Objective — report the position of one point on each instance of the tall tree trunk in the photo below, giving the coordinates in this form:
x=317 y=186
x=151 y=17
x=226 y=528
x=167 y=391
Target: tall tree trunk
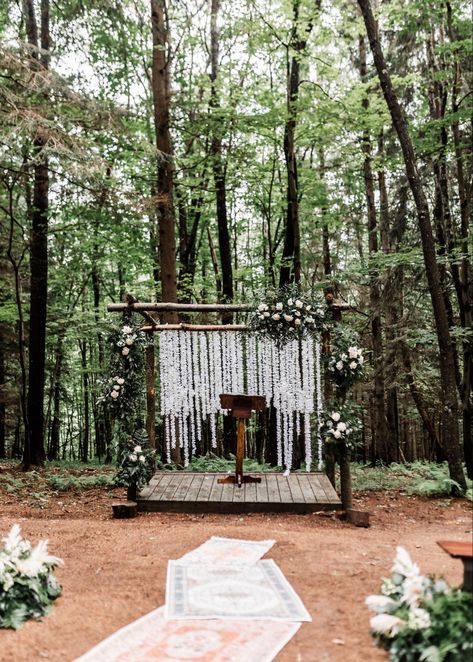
x=446 y=351
x=54 y=440
x=85 y=386
x=219 y=167
x=381 y=438
x=34 y=437
x=165 y=166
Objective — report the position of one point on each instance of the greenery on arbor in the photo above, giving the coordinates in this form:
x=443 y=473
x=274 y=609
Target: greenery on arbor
x=206 y=151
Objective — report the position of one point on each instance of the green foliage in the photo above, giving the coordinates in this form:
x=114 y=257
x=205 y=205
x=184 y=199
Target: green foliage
x=64 y=483
x=213 y=464
x=417 y=479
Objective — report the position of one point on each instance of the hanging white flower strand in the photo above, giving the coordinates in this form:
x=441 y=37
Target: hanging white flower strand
x=195 y=368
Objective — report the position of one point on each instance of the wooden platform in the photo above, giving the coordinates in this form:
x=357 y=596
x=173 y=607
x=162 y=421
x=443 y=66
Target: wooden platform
x=192 y=492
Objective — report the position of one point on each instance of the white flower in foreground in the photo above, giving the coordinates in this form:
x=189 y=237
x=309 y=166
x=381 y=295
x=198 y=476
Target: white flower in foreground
x=125 y=351
x=297 y=322
x=262 y=307
x=142 y=458
x=379 y=603
x=13 y=539
x=129 y=341
x=335 y=416
x=290 y=302
x=341 y=426
x=386 y=624
x=137 y=449
x=339 y=365
x=337 y=434
x=126 y=330
x=116 y=387
x=419 y=619
x=266 y=314
x=413 y=590
x=279 y=306
x=276 y=317
x=120 y=380
x=37 y=561
x=299 y=303
x=353 y=365
x=114 y=394
x=353 y=352
x=310 y=320
x=288 y=318
x=133 y=457
x=403 y=564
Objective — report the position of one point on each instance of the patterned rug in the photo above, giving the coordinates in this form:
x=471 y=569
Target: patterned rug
x=154 y=639
x=234 y=591
x=228 y=550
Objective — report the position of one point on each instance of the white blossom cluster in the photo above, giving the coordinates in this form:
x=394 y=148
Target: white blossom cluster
x=338 y=426
x=294 y=312
x=137 y=455
x=195 y=368
x=346 y=364
x=127 y=340
x=23 y=564
x=116 y=387
x=407 y=588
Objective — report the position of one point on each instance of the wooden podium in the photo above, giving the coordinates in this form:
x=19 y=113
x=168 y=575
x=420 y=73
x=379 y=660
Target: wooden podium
x=241 y=407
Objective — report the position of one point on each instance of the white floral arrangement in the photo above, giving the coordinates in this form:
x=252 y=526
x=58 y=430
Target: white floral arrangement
x=340 y=423
x=286 y=314
x=27 y=585
x=127 y=340
x=421 y=618
x=136 y=465
x=346 y=359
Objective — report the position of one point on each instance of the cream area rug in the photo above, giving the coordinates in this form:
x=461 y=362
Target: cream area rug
x=234 y=591
x=228 y=550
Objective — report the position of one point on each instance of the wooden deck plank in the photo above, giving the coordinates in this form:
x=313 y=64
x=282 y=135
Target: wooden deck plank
x=293 y=483
x=167 y=494
x=161 y=486
x=239 y=493
x=227 y=493
x=304 y=485
x=194 y=489
x=150 y=487
x=284 y=489
x=273 y=489
x=216 y=491
x=262 y=490
x=250 y=493
x=327 y=487
x=181 y=492
x=206 y=487
x=319 y=493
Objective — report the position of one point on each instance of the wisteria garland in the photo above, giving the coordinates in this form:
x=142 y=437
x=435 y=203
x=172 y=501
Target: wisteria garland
x=195 y=368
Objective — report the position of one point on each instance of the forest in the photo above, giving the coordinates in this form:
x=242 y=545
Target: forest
x=202 y=151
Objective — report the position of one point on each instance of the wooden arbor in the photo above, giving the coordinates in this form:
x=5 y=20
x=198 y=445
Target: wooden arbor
x=153 y=324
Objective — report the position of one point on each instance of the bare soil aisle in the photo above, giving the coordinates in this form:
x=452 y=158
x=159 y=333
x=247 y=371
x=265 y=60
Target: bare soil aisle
x=115 y=570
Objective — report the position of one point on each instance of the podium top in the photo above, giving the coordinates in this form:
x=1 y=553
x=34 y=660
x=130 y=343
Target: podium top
x=242 y=405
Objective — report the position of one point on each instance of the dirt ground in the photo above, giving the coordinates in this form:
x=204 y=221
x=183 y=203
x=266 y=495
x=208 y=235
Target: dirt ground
x=115 y=570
